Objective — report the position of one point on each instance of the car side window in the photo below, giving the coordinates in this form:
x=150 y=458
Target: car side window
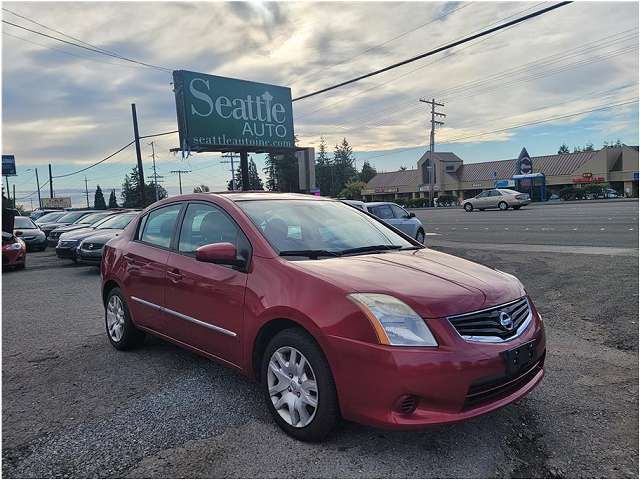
x=204 y=224
x=495 y=193
x=158 y=227
x=398 y=212
x=483 y=194
x=382 y=211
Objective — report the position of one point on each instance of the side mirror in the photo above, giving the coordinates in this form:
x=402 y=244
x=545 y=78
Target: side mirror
x=412 y=215
x=18 y=233
x=223 y=253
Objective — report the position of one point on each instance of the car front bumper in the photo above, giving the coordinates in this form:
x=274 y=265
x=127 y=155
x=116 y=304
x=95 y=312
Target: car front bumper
x=66 y=251
x=89 y=257
x=34 y=242
x=447 y=384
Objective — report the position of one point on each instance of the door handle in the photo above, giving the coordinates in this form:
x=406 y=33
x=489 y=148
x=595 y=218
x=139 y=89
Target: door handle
x=175 y=275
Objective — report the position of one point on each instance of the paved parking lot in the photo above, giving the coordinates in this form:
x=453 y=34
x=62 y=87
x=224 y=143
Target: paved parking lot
x=73 y=406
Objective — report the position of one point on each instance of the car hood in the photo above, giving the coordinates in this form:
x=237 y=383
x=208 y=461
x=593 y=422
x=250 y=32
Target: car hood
x=53 y=225
x=70 y=228
x=76 y=234
x=434 y=284
x=28 y=232
x=104 y=236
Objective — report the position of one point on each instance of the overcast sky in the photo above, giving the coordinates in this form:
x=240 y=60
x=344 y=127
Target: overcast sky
x=70 y=107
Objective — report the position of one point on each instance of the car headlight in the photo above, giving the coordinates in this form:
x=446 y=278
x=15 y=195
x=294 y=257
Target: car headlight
x=394 y=322
x=15 y=246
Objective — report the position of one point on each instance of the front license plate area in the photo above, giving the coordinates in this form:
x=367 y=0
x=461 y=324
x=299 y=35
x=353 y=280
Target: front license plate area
x=519 y=359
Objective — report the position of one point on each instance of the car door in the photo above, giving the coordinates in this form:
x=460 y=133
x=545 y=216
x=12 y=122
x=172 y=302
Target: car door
x=205 y=301
x=146 y=265
x=494 y=198
x=384 y=213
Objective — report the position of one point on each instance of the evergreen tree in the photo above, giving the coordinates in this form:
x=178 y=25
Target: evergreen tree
x=113 y=203
x=255 y=182
x=563 y=149
x=403 y=168
x=98 y=200
x=282 y=172
x=353 y=190
x=588 y=147
x=324 y=166
x=367 y=172
x=131 y=193
x=343 y=167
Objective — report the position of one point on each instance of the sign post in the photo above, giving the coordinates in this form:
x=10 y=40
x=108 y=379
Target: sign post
x=219 y=114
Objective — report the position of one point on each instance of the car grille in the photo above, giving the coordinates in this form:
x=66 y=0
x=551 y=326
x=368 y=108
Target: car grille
x=487 y=391
x=92 y=246
x=67 y=243
x=54 y=234
x=494 y=324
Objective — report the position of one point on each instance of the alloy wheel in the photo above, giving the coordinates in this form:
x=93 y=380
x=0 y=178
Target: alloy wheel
x=115 y=318
x=292 y=386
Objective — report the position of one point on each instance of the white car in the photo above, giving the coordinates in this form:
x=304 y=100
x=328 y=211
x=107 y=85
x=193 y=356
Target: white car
x=501 y=198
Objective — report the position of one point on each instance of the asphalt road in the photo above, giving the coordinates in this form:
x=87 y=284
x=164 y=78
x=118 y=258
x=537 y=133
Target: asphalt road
x=605 y=224
x=73 y=406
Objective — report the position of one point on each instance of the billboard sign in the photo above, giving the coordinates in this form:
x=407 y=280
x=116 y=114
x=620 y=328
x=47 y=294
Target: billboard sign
x=8 y=165
x=225 y=114
x=56 y=202
x=525 y=165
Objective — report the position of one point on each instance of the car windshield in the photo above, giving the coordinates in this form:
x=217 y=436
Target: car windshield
x=117 y=221
x=71 y=217
x=314 y=228
x=50 y=217
x=93 y=218
x=23 y=222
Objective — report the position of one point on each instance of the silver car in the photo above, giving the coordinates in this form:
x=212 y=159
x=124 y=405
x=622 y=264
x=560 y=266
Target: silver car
x=394 y=215
x=501 y=198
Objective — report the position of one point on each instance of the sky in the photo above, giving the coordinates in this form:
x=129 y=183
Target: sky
x=71 y=107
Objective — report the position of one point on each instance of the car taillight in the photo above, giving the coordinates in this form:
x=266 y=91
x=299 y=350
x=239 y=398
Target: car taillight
x=522 y=197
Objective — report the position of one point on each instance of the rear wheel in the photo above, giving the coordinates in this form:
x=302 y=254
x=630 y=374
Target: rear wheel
x=298 y=386
x=122 y=334
x=468 y=207
x=420 y=236
x=503 y=206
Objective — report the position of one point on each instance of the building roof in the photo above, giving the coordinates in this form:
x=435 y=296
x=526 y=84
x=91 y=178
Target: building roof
x=550 y=165
x=400 y=178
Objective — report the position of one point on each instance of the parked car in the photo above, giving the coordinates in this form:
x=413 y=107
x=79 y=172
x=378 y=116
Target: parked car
x=67 y=219
x=394 y=215
x=25 y=229
x=14 y=252
x=501 y=198
x=36 y=214
x=69 y=242
x=332 y=311
x=50 y=217
x=85 y=222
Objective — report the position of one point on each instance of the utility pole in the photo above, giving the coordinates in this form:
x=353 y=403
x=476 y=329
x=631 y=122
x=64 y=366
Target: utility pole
x=136 y=137
x=6 y=178
x=230 y=159
x=38 y=185
x=244 y=170
x=50 y=183
x=14 y=195
x=155 y=175
x=432 y=142
x=86 y=190
x=180 y=172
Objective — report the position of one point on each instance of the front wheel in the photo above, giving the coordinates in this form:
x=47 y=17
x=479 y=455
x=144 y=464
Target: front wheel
x=468 y=207
x=121 y=331
x=420 y=236
x=298 y=386
x=503 y=206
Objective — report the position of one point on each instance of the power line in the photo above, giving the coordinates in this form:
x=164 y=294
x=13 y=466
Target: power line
x=436 y=50
x=97 y=163
x=91 y=49
x=513 y=127
x=158 y=134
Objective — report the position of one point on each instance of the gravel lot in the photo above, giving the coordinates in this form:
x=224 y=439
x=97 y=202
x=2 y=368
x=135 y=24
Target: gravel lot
x=75 y=407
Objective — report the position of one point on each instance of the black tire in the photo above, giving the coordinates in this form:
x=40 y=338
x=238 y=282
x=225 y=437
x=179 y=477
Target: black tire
x=420 y=234
x=21 y=266
x=131 y=336
x=468 y=207
x=516 y=207
x=327 y=414
x=503 y=206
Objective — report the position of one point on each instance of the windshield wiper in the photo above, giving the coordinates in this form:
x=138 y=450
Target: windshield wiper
x=313 y=254
x=370 y=248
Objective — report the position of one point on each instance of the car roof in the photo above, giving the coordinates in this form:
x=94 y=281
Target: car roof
x=252 y=195
x=375 y=204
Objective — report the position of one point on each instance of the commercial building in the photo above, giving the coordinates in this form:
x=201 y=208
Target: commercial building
x=540 y=176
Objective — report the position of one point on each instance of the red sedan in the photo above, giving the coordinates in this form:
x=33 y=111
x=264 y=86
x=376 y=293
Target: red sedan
x=335 y=313
x=14 y=251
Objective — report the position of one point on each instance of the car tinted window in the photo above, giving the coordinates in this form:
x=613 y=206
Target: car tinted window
x=495 y=193
x=382 y=211
x=205 y=224
x=50 y=217
x=483 y=194
x=71 y=217
x=23 y=223
x=160 y=225
x=398 y=212
x=117 y=221
x=93 y=218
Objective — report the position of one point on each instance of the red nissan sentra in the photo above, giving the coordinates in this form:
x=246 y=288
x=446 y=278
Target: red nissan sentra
x=337 y=314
